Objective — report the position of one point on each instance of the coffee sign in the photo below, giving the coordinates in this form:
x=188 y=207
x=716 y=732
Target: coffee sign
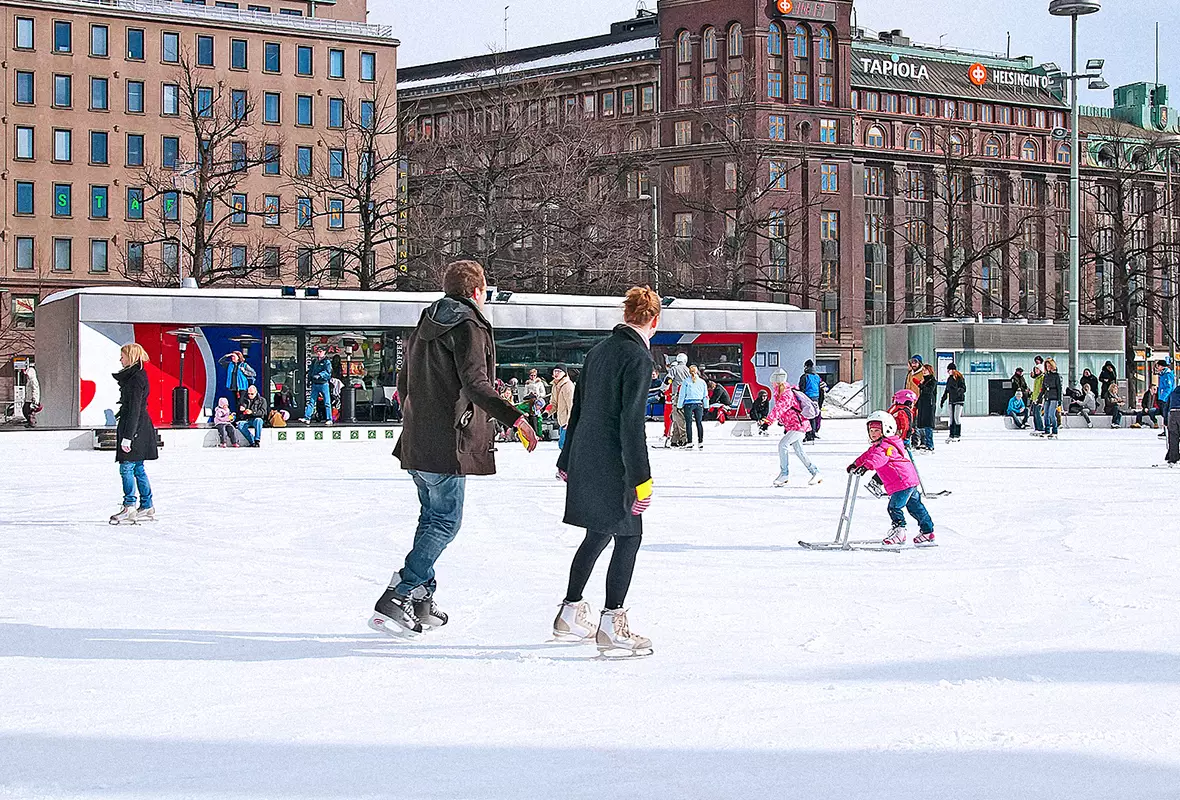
x=816 y=10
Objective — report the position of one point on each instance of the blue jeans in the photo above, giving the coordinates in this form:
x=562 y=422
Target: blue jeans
x=134 y=476
x=694 y=412
x=561 y=438
x=792 y=440
x=910 y=500
x=247 y=426
x=1038 y=422
x=927 y=437
x=1020 y=419
x=441 y=499
x=317 y=391
x=1050 y=422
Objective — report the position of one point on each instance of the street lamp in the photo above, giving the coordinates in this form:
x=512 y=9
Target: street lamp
x=180 y=393
x=1074 y=9
x=655 y=236
x=1169 y=143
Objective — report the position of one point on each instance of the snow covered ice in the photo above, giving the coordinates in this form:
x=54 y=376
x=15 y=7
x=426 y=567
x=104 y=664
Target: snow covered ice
x=222 y=652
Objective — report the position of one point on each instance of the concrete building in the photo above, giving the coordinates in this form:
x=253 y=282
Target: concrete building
x=851 y=142
x=94 y=111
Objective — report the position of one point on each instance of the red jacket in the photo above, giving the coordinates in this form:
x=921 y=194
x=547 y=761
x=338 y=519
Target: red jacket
x=904 y=417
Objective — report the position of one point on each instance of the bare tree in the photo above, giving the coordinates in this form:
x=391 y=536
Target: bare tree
x=195 y=218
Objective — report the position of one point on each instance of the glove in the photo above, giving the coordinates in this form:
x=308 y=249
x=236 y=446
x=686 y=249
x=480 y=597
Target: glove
x=526 y=434
x=125 y=445
x=853 y=469
x=642 y=498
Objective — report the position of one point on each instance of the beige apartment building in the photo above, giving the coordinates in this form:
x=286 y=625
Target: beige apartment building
x=94 y=118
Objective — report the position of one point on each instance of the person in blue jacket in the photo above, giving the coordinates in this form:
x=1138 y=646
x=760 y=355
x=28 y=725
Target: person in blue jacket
x=694 y=392
x=318 y=376
x=1166 y=387
x=812 y=385
x=1018 y=411
x=238 y=376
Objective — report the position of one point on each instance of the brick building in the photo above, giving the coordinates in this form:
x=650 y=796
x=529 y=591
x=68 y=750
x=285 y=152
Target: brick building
x=793 y=157
x=94 y=117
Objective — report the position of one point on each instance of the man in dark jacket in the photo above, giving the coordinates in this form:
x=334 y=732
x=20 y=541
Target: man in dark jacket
x=251 y=414
x=319 y=375
x=608 y=478
x=813 y=386
x=1020 y=383
x=448 y=402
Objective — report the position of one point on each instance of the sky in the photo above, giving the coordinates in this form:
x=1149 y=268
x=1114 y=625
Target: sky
x=1123 y=33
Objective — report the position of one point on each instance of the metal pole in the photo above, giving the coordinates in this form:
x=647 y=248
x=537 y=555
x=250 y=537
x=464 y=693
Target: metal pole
x=655 y=240
x=1075 y=158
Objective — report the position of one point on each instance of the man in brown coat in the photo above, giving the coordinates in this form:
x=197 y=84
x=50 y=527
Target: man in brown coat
x=563 y=402
x=448 y=403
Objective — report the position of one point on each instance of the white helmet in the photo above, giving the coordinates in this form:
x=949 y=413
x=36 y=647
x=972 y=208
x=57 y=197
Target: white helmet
x=682 y=358
x=885 y=420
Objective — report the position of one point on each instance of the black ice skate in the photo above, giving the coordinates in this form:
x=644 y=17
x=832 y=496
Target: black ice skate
x=394 y=614
x=428 y=612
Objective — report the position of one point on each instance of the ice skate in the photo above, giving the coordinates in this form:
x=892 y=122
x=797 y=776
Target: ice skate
x=126 y=515
x=573 y=623
x=145 y=514
x=615 y=639
x=816 y=480
x=924 y=540
x=781 y=481
x=394 y=614
x=428 y=613
x=896 y=537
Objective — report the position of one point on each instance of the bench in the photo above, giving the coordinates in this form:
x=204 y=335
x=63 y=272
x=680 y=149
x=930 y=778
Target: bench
x=1076 y=421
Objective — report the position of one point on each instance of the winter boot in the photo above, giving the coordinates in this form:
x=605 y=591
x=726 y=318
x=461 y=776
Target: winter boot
x=924 y=540
x=126 y=515
x=896 y=537
x=394 y=613
x=427 y=611
x=615 y=639
x=573 y=623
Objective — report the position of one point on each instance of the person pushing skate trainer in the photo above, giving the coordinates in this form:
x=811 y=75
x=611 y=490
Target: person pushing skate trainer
x=448 y=404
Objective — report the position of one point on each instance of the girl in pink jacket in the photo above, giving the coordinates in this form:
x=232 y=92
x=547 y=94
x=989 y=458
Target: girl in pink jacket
x=788 y=413
x=887 y=457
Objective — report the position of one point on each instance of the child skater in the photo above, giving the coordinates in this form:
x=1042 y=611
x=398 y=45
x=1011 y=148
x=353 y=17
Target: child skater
x=902 y=412
x=887 y=456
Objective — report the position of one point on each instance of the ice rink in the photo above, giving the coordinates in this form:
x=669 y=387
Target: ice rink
x=222 y=652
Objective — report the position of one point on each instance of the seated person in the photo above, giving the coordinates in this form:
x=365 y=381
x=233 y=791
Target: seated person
x=719 y=400
x=1147 y=408
x=1113 y=406
x=760 y=410
x=223 y=420
x=1018 y=411
x=1089 y=405
x=250 y=416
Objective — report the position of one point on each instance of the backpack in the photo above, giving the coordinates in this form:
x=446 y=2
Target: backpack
x=811 y=386
x=807 y=408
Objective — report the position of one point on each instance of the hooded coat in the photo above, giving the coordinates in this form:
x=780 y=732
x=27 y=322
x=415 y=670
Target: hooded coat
x=605 y=455
x=133 y=420
x=1106 y=377
x=788 y=411
x=887 y=457
x=927 y=402
x=446 y=391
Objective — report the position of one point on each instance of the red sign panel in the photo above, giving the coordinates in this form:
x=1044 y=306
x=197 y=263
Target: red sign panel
x=817 y=10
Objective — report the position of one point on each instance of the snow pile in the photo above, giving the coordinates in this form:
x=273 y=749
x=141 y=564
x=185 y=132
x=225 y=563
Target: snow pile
x=845 y=400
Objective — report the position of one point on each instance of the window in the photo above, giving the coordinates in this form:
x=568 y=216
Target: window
x=170 y=106
x=24 y=253
x=170 y=256
x=709 y=88
x=875 y=137
x=209 y=210
x=335 y=63
x=628 y=101
x=368 y=66
x=799 y=38
x=63 y=91
x=335 y=112
x=303 y=264
x=774 y=84
x=824 y=88
x=98 y=147
x=239 y=54
x=135 y=149
x=875 y=182
x=915 y=141
x=731 y=176
x=270 y=210
x=1063 y=154
x=99 y=99
x=303 y=161
x=169 y=152
x=237 y=258
x=774 y=40
x=303 y=61
x=62 y=256
x=824 y=45
x=204 y=51
x=336 y=214
x=238 y=209
x=24 y=33
x=889 y=103
x=99 y=41
x=171 y=202
x=682 y=228
x=63 y=200
x=778 y=127
x=303 y=212
x=135 y=44
x=272 y=57
x=733 y=127
x=134 y=257
x=170 y=48
x=336 y=163
x=63 y=145
x=24 y=88
x=1022 y=117
x=1028 y=150
x=238 y=104
x=735 y=83
x=303 y=109
x=237 y=155
x=271 y=159
x=270 y=262
x=991 y=147
x=734 y=41
x=683 y=131
x=1004 y=115
x=62 y=37
x=909 y=106
x=954 y=143
x=799 y=87
x=98 y=255
x=134 y=97
x=778 y=174
x=682 y=179
x=336 y=264
x=684 y=47
x=827 y=131
x=204 y=101
x=647 y=100
x=271 y=103
x=829 y=178
x=684 y=92
x=24 y=197
x=368 y=113
x=24 y=142
x=134 y=202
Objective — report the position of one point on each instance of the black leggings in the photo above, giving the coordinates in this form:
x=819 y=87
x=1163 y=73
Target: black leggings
x=618 y=575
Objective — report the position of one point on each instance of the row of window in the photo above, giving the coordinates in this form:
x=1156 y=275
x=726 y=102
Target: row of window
x=204 y=49
x=778 y=173
x=801 y=40
x=916 y=140
x=966 y=110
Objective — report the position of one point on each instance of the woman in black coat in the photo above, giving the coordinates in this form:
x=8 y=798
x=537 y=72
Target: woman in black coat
x=1051 y=396
x=608 y=478
x=956 y=392
x=135 y=434
x=927 y=400
x=1089 y=379
x=1107 y=376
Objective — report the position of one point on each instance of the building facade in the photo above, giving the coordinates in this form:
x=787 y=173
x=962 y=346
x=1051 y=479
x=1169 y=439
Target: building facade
x=103 y=108
x=791 y=156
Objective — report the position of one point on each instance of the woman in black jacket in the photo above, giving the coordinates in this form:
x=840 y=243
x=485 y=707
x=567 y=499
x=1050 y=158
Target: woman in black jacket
x=136 y=436
x=1051 y=394
x=1089 y=379
x=956 y=392
x=1107 y=376
x=927 y=401
x=760 y=410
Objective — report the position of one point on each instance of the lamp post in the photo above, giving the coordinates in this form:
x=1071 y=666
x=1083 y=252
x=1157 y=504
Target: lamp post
x=1169 y=143
x=180 y=393
x=1074 y=9
x=655 y=236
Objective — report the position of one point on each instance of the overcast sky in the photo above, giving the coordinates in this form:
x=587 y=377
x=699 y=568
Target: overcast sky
x=1123 y=33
